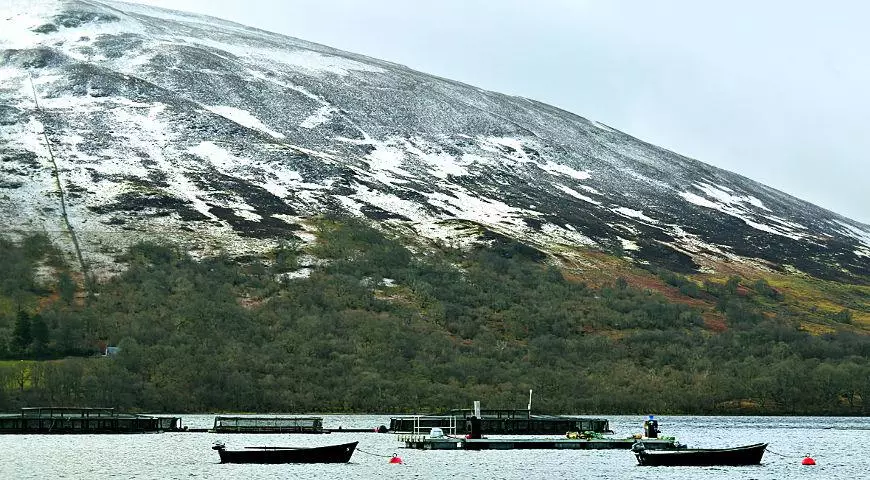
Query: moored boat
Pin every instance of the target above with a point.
(329, 454)
(701, 457)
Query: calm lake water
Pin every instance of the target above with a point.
(839, 446)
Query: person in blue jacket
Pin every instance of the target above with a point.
(651, 427)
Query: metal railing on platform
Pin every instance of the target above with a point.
(420, 431)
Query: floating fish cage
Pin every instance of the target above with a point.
(83, 420)
(502, 422)
(251, 424)
(428, 442)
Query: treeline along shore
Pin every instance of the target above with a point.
(378, 327)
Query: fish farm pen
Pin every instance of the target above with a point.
(425, 442)
(504, 422)
(250, 424)
(83, 420)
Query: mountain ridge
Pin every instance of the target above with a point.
(230, 137)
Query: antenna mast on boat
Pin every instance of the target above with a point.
(530, 400)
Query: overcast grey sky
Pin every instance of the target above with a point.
(778, 91)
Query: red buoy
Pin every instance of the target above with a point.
(808, 461)
(396, 459)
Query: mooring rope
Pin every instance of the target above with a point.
(775, 453)
(767, 449)
(375, 454)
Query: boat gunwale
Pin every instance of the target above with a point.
(338, 453)
(316, 447)
(684, 451)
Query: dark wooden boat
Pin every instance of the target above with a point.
(745, 455)
(328, 454)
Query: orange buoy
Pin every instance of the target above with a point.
(396, 459)
(808, 460)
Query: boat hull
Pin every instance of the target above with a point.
(328, 454)
(702, 457)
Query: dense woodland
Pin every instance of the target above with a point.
(378, 328)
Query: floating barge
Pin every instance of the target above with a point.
(59, 420)
(422, 442)
(251, 424)
(500, 422)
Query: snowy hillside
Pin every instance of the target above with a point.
(164, 124)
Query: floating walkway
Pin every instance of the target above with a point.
(500, 422)
(83, 420)
(422, 442)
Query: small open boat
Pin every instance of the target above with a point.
(328, 454)
(745, 455)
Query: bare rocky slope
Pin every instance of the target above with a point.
(121, 122)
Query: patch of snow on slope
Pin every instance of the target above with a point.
(787, 225)
(742, 215)
(700, 250)
(628, 244)
(515, 148)
(18, 29)
(487, 211)
(588, 189)
(131, 63)
(19, 17)
(151, 133)
(39, 191)
(277, 182)
(578, 195)
(315, 62)
(638, 214)
(692, 243)
(565, 170)
(183, 17)
(385, 162)
(31, 137)
(699, 200)
(567, 236)
(603, 126)
(319, 117)
(445, 165)
(624, 227)
(277, 179)
(220, 158)
(324, 157)
(307, 60)
(243, 118)
(498, 145)
(469, 159)
(733, 205)
(860, 234)
(388, 202)
(7, 74)
(722, 195)
(442, 164)
(226, 162)
(448, 232)
(303, 272)
(351, 205)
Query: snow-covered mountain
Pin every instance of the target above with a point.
(163, 124)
